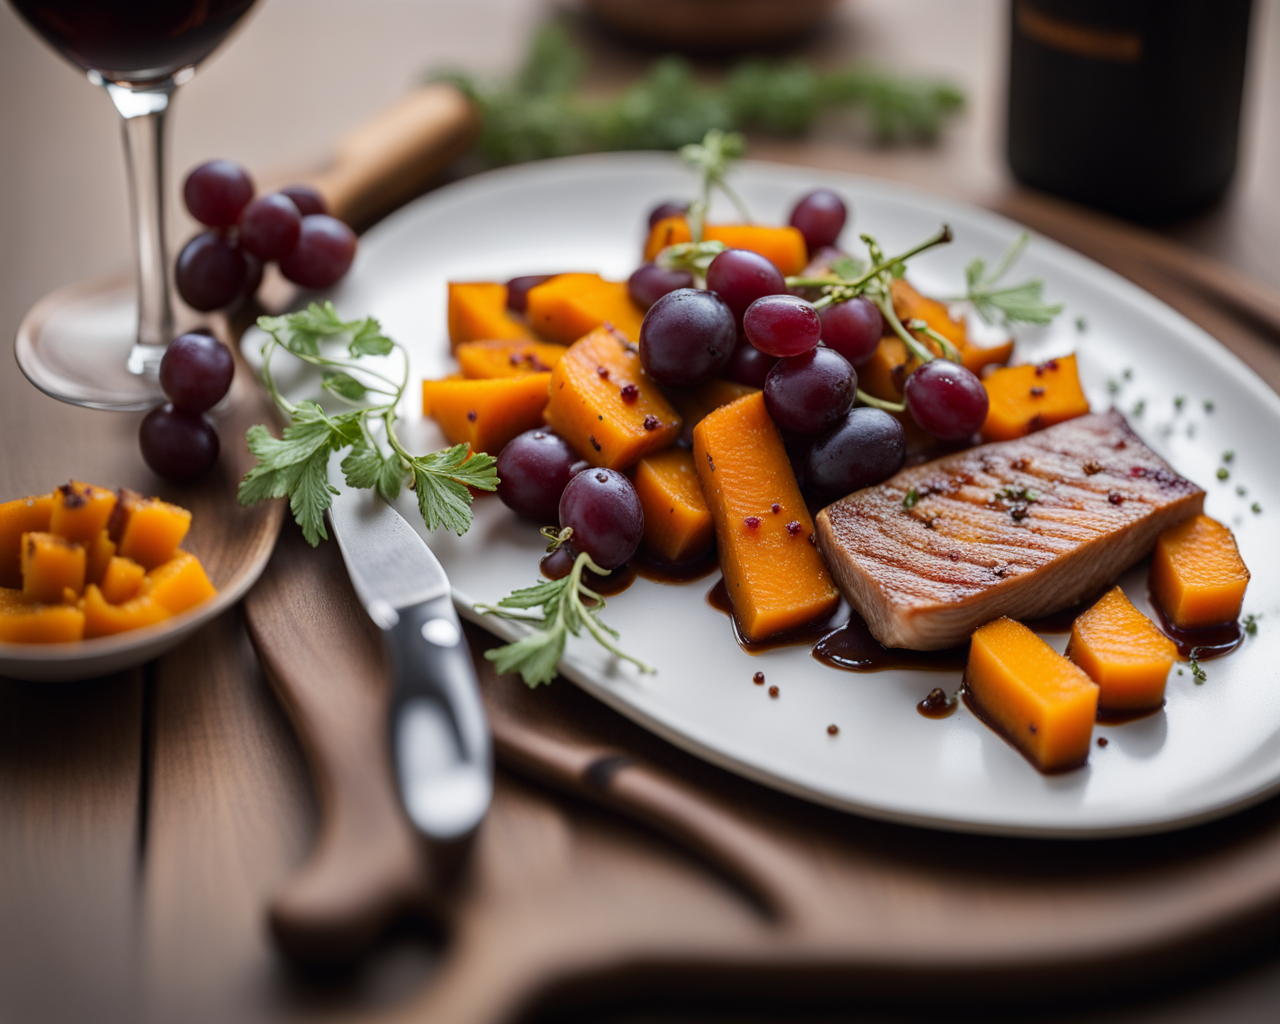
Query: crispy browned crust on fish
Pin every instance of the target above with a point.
(1020, 528)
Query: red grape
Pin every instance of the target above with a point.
(748, 365)
(211, 272)
(820, 217)
(252, 272)
(306, 199)
(782, 325)
(179, 446)
(867, 446)
(650, 282)
(533, 470)
(853, 329)
(270, 226)
(216, 192)
(323, 254)
(664, 210)
(687, 337)
(196, 372)
(740, 277)
(811, 392)
(518, 289)
(947, 400)
(603, 509)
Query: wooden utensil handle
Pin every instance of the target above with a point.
(389, 159)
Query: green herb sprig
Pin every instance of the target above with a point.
(1018, 303)
(536, 656)
(296, 465)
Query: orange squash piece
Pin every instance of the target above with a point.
(98, 557)
(1027, 398)
(605, 407)
(24, 515)
(1197, 575)
(102, 618)
(486, 360)
(478, 311)
(885, 373)
(179, 584)
(1037, 699)
(80, 511)
(1122, 651)
(694, 403)
(23, 621)
(677, 523)
(122, 580)
(148, 530)
(774, 575)
(568, 306)
(486, 414)
(50, 566)
(784, 246)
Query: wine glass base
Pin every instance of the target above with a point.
(79, 345)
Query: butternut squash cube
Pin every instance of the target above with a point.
(80, 511)
(51, 565)
(603, 405)
(102, 618)
(1197, 575)
(23, 621)
(25, 515)
(478, 311)
(486, 414)
(784, 247)
(1038, 700)
(1122, 651)
(1027, 398)
(773, 573)
(568, 306)
(486, 360)
(694, 403)
(122, 580)
(98, 557)
(677, 523)
(179, 584)
(148, 530)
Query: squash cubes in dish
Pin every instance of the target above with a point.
(677, 523)
(1123, 652)
(1027, 398)
(90, 562)
(1037, 699)
(1197, 575)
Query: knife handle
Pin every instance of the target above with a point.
(441, 753)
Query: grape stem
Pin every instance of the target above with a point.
(838, 290)
(713, 157)
(949, 351)
(880, 403)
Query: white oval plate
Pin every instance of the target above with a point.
(1214, 749)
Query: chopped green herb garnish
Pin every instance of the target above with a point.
(1228, 456)
(1197, 673)
(1240, 490)
(1082, 324)
(1251, 624)
(1113, 386)
(1208, 405)
(1012, 493)
(1223, 473)
(1139, 407)
(911, 498)
(536, 656)
(1255, 507)
(1179, 401)
(296, 465)
(1127, 374)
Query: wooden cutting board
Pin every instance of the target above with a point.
(742, 891)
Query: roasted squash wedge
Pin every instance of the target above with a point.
(122, 580)
(486, 414)
(102, 618)
(784, 246)
(148, 530)
(1123, 652)
(604, 406)
(487, 360)
(478, 312)
(772, 571)
(1197, 575)
(1027, 398)
(179, 584)
(23, 621)
(568, 306)
(51, 566)
(25, 515)
(678, 526)
(80, 511)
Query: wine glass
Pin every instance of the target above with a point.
(82, 345)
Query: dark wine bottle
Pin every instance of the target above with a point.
(1130, 106)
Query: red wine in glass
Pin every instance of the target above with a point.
(140, 51)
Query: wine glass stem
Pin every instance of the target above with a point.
(143, 118)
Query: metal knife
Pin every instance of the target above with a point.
(441, 749)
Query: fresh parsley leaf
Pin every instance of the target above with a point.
(1019, 303)
(441, 479)
(909, 501)
(344, 385)
(536, 656)
(847, 267)
(367, 339)
(366, 466)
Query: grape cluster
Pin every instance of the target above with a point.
(224, 263)
(178, 440)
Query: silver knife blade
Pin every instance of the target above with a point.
(391, 567)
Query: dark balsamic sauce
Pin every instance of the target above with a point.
(1061, 621)
(1203, 644)
(1118, 716)
(673, 573)
(807, 634)
(853, 648)
(938, 704)
(559, 563)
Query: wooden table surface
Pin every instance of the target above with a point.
(112, 793)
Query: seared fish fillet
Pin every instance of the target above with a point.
(1020, 528)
